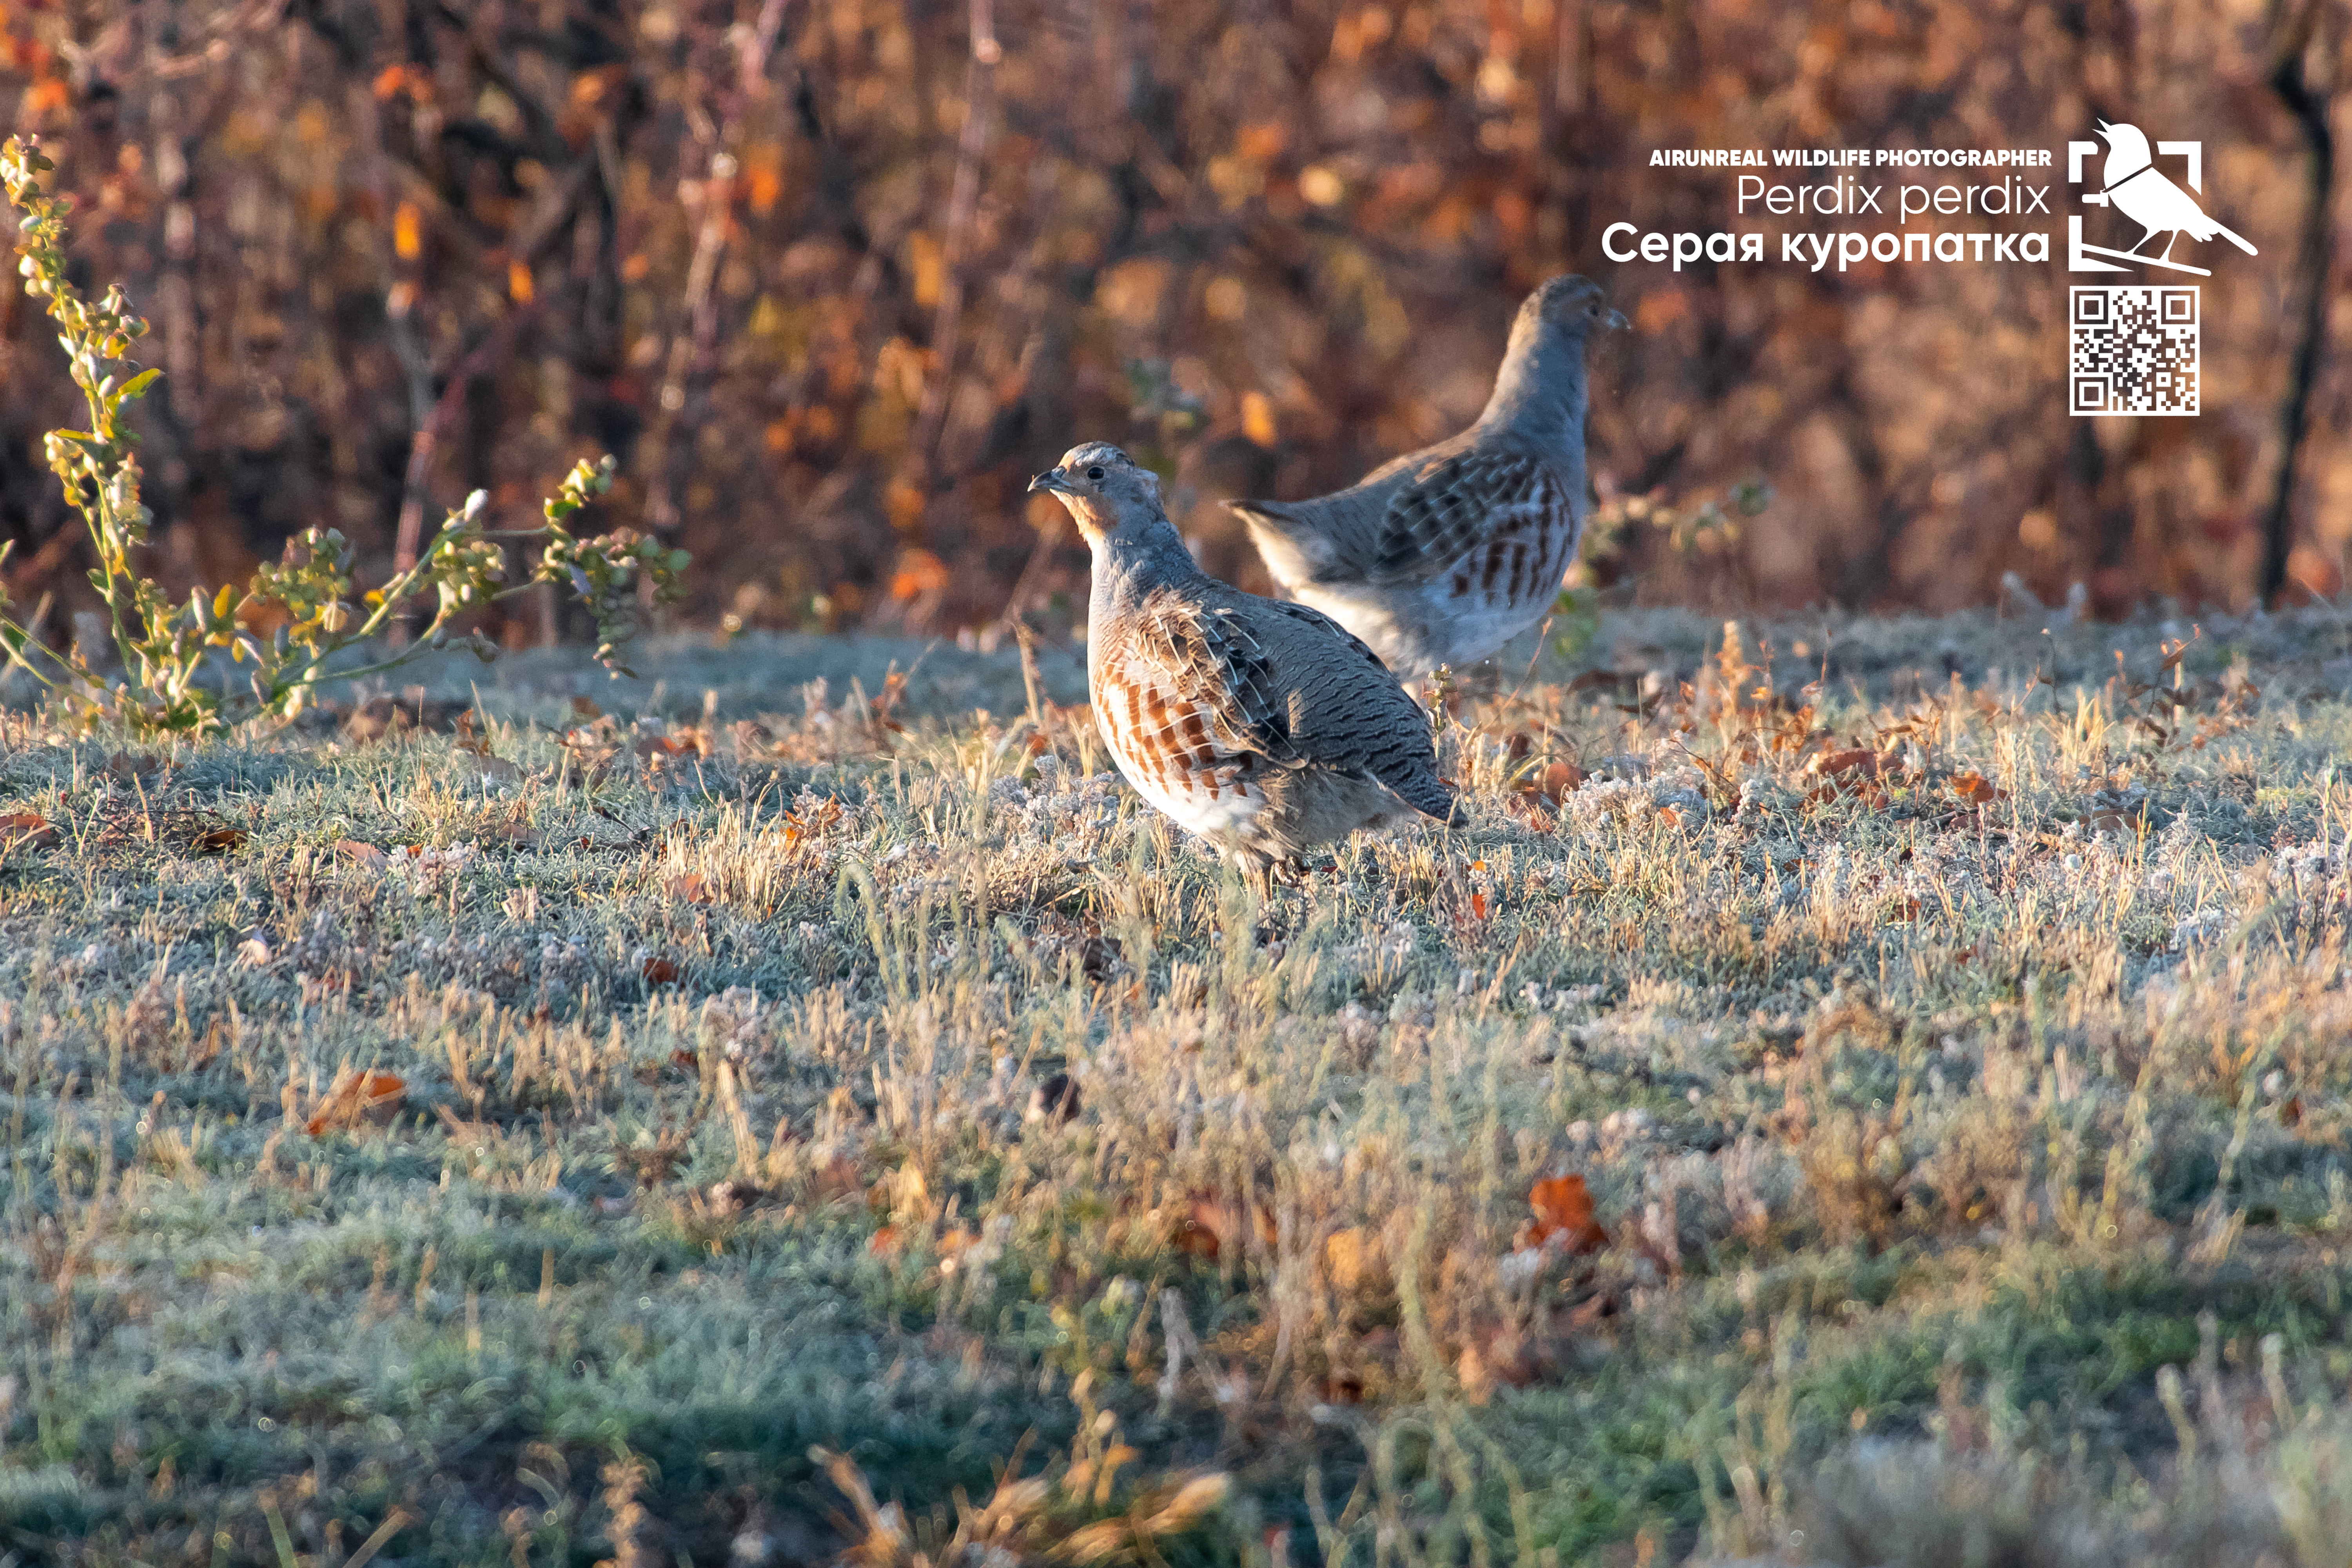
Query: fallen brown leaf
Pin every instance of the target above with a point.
(29, 828)
(372, 1097)
(1832, 764)
(1557, 781)
(1213, 1223)
(1563, 1209)
(1976, 789)
(1195, 1239)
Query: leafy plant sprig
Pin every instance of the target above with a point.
(297, 617)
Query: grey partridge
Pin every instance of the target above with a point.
(1261, 726)
(1443, 555)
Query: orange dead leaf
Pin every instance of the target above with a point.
(763, 176)
(886, 1242)
(1849, 772)
(518, 282)
(1196, 1239)
(49, 92)
(1563, 1208)
(1555, 782)
(1262, 142)
(407, 232)
(1856, 760)
(1975, 788)
(372, 1097)
(1213, 1223)
(660, 971)
(801, 826)
(27, 828)
(690, 888)
(389, 80)
(1258, 419)
(919, 572)
(654, 748)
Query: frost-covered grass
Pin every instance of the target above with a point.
(815, 1100)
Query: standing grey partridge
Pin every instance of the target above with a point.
(1261, 726)
(1445, 555)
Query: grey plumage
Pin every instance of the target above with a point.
(1442, 555)
(1262, 726)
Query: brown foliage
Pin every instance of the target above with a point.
(831, 278)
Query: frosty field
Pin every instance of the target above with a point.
(1858, 1092)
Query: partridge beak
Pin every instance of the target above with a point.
(1615, 318)
(1052, 480)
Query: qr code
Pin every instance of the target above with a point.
(2133, 350)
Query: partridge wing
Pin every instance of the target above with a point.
(1346, 712)
(1450, 505)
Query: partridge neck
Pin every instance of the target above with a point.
(1134, 561)
(1539, 391)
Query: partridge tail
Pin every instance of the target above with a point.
(1268, 513)
(1423, 791)
(1292, 548)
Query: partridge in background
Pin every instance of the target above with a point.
(1445, 555)
(1261, 726)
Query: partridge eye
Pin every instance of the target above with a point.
(1094, 473)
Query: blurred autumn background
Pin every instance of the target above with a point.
(832, 276)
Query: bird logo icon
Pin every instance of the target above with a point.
(2133, 185)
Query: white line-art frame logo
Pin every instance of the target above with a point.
(2132, 186)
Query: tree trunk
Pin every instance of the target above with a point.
(2309, 108)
